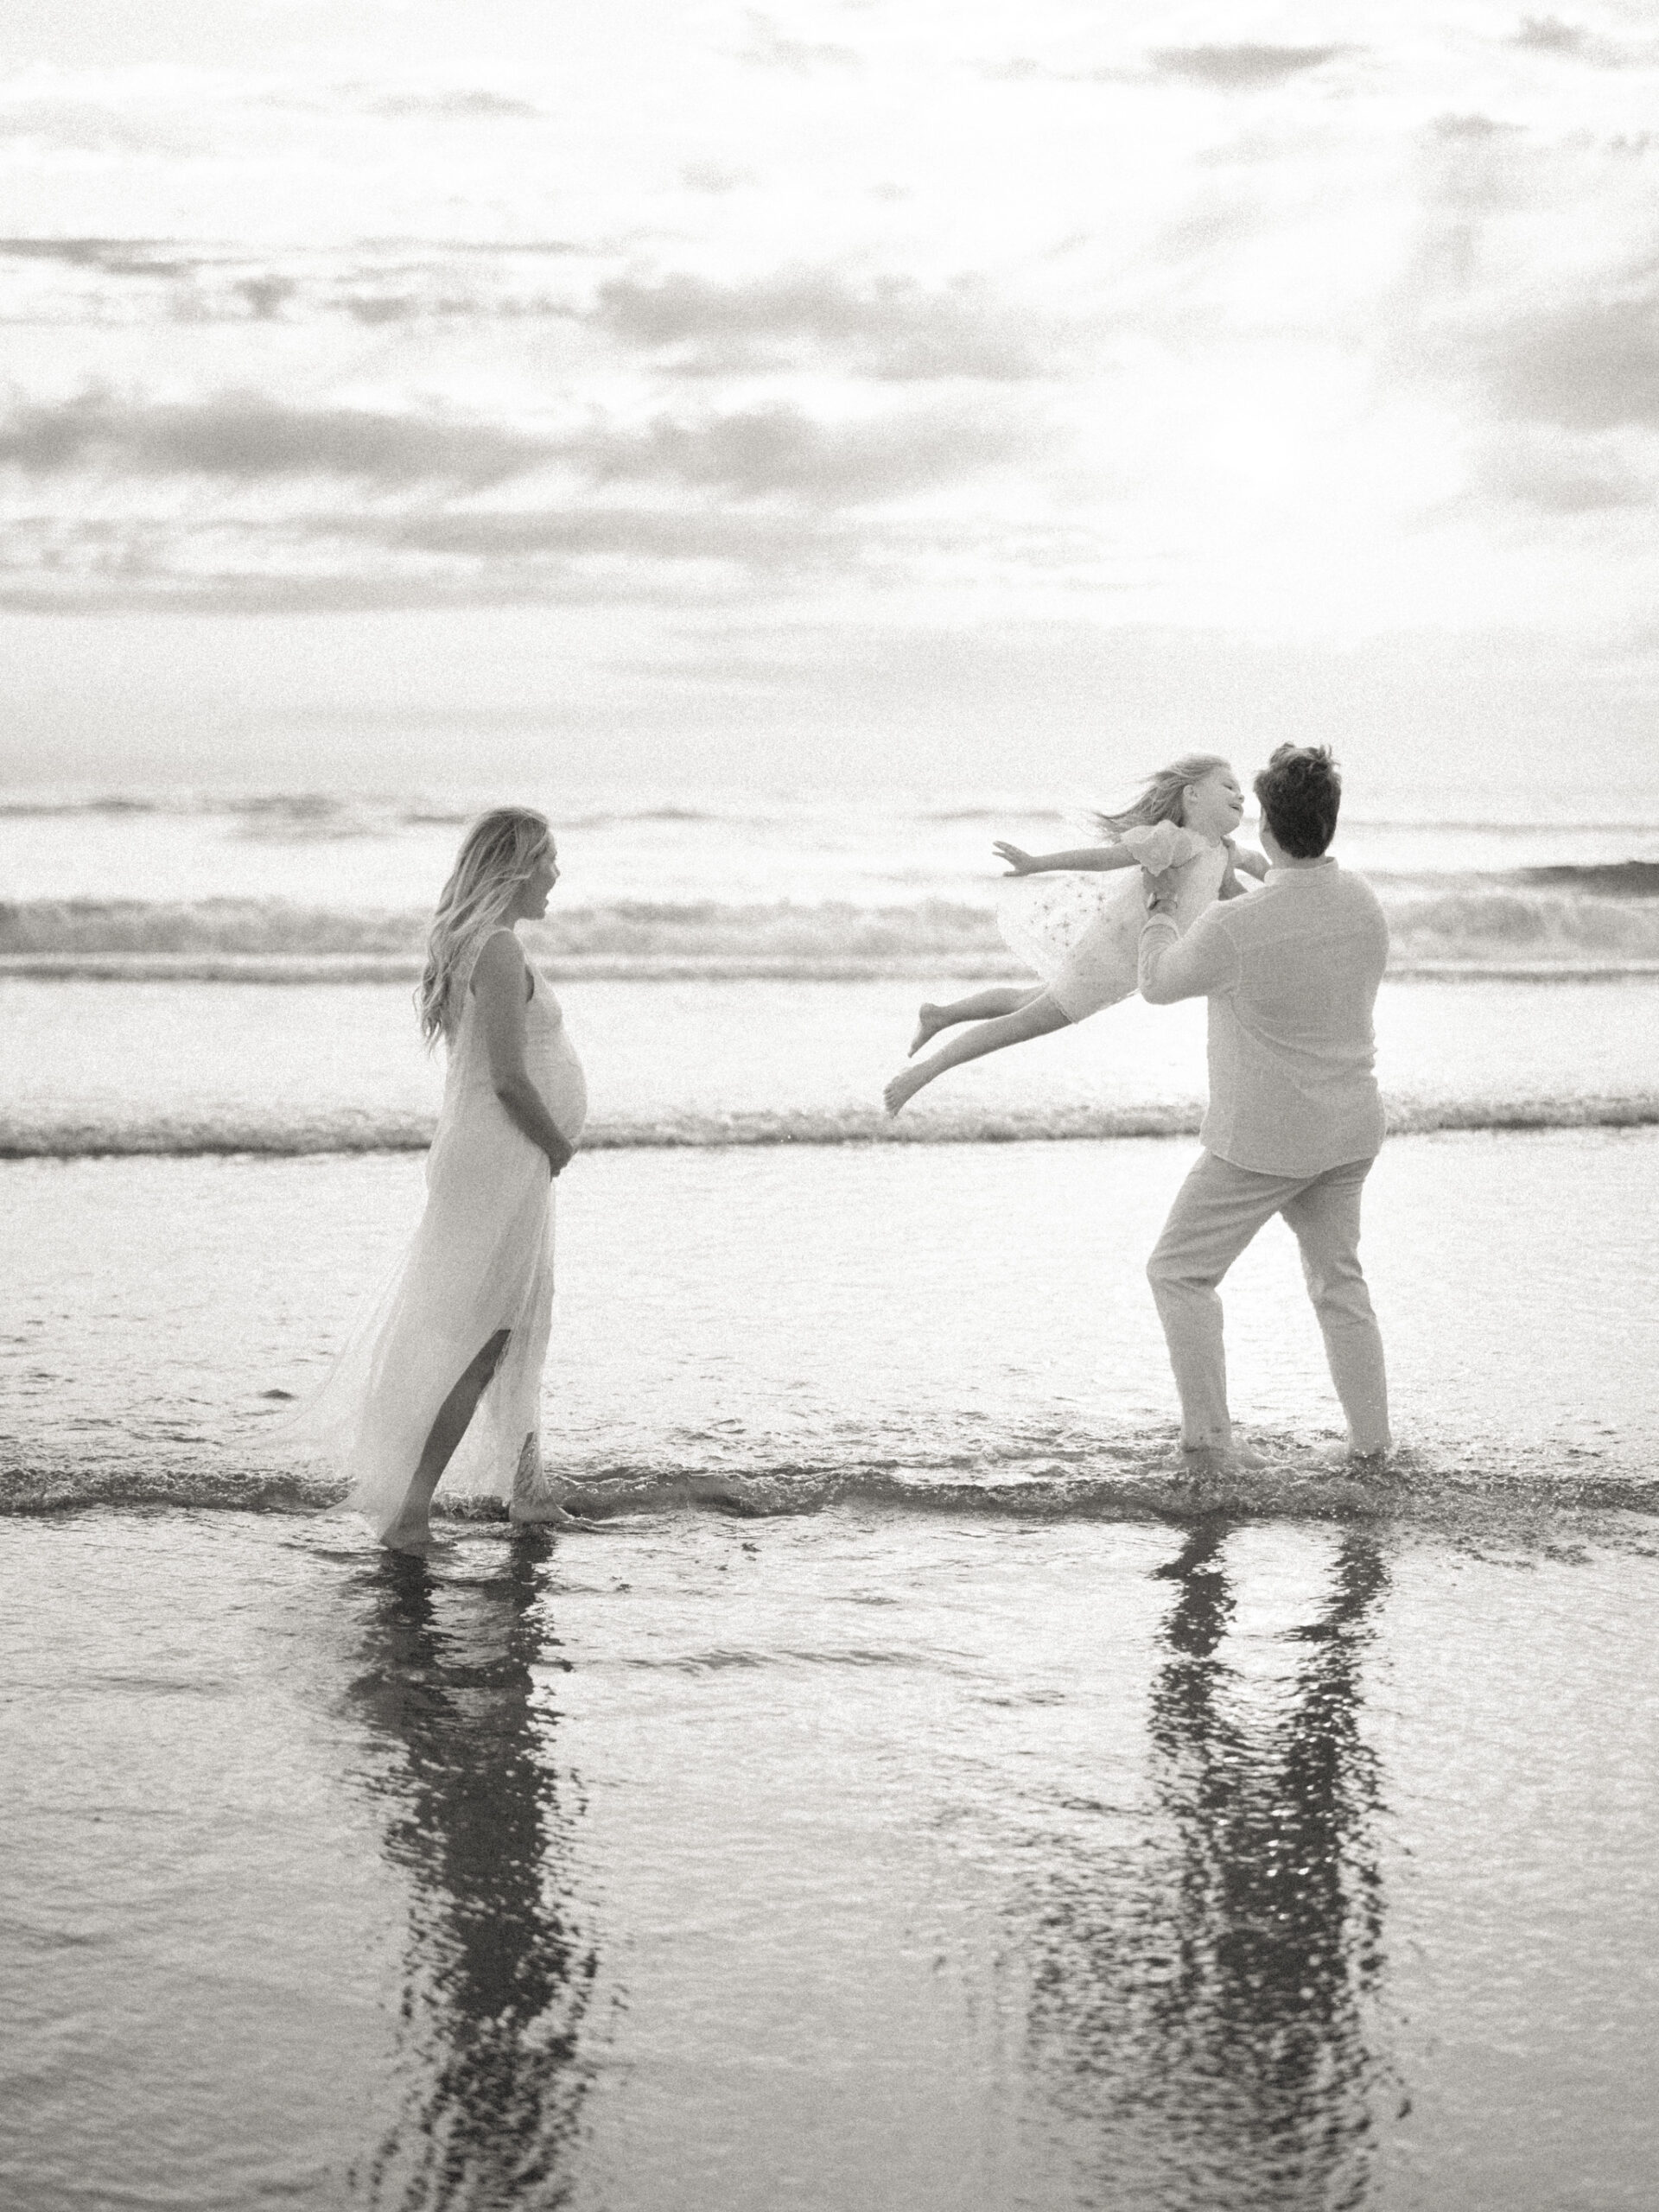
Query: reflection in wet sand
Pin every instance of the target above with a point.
(496, 1978)
(1205, 2000)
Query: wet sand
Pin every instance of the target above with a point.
(867, 1860)
(965, 1814)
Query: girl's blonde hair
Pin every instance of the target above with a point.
(498, 852)
(1160, 799)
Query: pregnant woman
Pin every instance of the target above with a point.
(445, 1371)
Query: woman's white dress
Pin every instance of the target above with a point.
(1081, 930)
(482, 1260)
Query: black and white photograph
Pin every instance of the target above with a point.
(830, 1106)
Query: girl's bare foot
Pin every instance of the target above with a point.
(903, 1088)
(929, 1022)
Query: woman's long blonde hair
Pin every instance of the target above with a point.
(1160, 799)
(498, 852)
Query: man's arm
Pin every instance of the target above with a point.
(1175, 967)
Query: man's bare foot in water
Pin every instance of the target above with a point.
(903, 1088)
(1355, 1462)
(1220, 1459)
(929, 1022)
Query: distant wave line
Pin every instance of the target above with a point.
(324, 810)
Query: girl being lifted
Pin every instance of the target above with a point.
(1084, 946)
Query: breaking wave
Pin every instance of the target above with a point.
(1599, 921)
(299, 816)
(1608, 879)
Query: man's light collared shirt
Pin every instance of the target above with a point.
(1291, 973)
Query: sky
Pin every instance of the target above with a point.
(955, 393)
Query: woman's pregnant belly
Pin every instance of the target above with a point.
(556, 1073)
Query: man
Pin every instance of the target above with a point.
(1294, 1120)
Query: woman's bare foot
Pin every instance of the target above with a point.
(414, 1537)
(544, 1512)
(903, 1088)
(929, 1019)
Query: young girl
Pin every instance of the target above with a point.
(462, 1330)
(1084, 946)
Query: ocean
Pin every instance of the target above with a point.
(143, 938)
(910, 1792)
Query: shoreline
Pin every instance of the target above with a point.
(1426, 1490)
(362, 1135)
(278, 969)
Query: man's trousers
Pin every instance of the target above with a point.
(1217, 1212)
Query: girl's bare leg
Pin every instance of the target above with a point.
(982, 1006)
(1036, 1018)
(412, 1529)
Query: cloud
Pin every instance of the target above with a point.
(1591, 367)
(1242, 68)
(266, 295)
(891, 327)
(376, 308)
(469, 104)
(345, 560)
(715, 177)
(1475, 128)
(246, 437)
(777, 450)
(1551, 35)
(195, 281)
(1553, 478)
(109, 257)
(771, 542)
(134, 588)
(80, 126)
(760, 452)
(770, 48)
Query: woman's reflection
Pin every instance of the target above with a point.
(1214, 1988)
(496, 1981)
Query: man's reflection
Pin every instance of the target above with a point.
(1212, 1990)
(496, 1981)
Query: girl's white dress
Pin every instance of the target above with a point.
(482, 1260)
(1081, 931)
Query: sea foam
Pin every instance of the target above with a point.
(1588, 927)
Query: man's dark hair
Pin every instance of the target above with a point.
(1299, 792)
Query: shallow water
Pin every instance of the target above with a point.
(795, 1323)
(859, 1861)
(911, 1795)
(104, 1066)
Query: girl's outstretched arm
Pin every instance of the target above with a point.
(1081, 856)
